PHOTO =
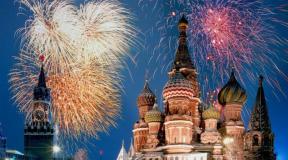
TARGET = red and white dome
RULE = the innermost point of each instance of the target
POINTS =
(178, 86)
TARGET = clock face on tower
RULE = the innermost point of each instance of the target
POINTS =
(39, 115)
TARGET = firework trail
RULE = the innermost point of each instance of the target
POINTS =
(82, 51)
(225, 34)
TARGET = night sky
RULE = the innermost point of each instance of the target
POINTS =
(133, 80)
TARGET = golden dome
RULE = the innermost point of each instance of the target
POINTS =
(211, 113)
(154, 115)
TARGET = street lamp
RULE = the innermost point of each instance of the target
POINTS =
(56, 149)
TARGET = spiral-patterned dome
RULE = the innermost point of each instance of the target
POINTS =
(154, 115)
(146, 97)
(211, 113)
(178, 86)
(232, 92)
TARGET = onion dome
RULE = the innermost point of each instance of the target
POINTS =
(232, 92)
(154, 115)
(178, 86)
(146, 97)
(211, 113)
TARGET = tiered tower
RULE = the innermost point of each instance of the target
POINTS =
(181, 95)
(184, 64)
(145, 102)
(232, 97)
(38, 133)
(259, 139)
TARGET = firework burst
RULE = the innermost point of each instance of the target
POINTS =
(51, 31)
(87, 90)
(104, 22)
(102, 28)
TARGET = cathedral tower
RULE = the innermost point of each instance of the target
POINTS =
(259, 138)
(181, 96)
(232, 97)
(154, 119)
(145, 102)
(211, 136)
(38, 133)
(184, 64)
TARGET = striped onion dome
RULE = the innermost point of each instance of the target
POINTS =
(146, 97)
(178, 86)
(232, 92)
(211, 113)
(154, 115)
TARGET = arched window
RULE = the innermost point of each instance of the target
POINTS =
(255, 141)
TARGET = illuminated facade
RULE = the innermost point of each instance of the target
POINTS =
(186, 131)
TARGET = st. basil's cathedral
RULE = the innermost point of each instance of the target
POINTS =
(186, 131)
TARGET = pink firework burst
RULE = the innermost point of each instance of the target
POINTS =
(224, 29)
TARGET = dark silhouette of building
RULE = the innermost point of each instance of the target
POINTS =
(38, 133)
(259, 140)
